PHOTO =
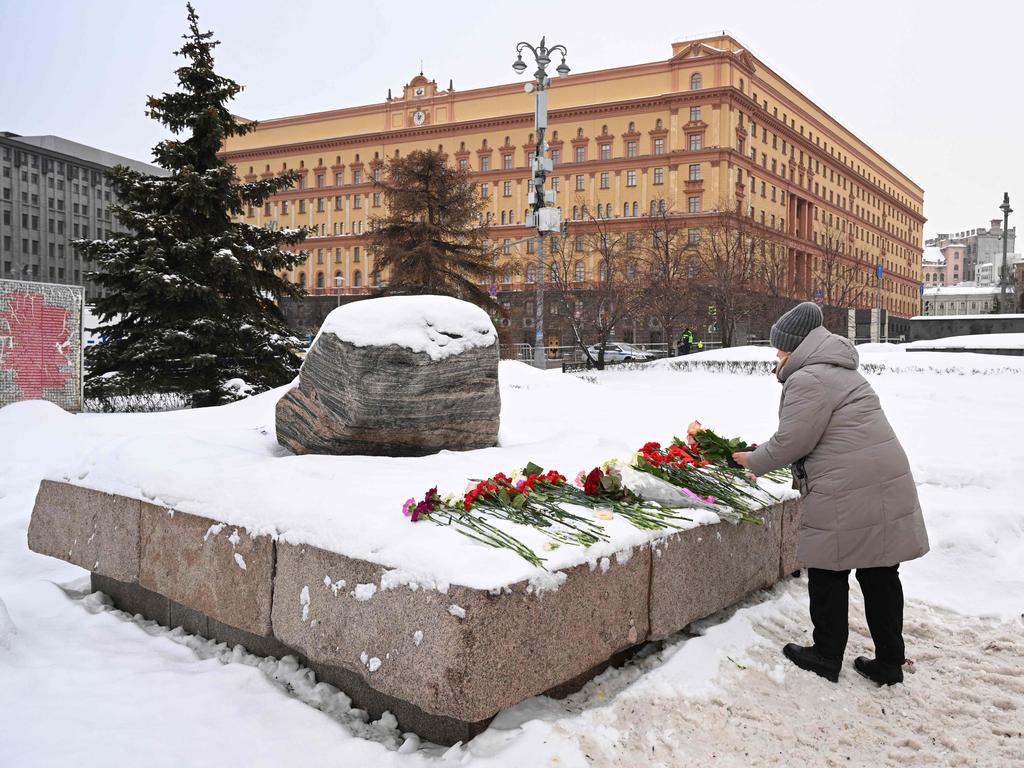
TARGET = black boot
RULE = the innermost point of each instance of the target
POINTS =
(877, 672)
(810, 659)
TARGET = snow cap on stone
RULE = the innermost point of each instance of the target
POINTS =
(440, 326)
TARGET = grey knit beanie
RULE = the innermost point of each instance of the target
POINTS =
(792, 328)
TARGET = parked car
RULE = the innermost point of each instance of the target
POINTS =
(618, 352)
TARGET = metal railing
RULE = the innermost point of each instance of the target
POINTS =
(557, 356)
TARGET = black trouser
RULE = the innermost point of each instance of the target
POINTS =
(883, 607)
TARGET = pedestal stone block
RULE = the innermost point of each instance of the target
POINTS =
(699, 572)
(216, 569)
(466, 653)
(98, 531)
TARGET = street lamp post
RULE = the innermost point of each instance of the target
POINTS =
(1005, 278)
(339, 280)
(541, 166)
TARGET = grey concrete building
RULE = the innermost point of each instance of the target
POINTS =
(983, 246)
(53, 191)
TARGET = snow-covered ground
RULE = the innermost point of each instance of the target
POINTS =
(82, 684)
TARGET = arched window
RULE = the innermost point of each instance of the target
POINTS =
(580, 272)
(636, 208)
(511, 217)
(503, 215)
(695, 81)
(376, 279)
(553, 273)
(319, 279)
(579, 133)
(604, 270)
(631, 270)
(357, 279)
(741, 83)
(339, 281)
(693, 267)
(302, 279)
(531, 273)
(625, 209)
(608, 211)
(654, 207)
(632, 127)
(575, 212)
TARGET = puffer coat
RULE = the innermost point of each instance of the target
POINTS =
(860, 507)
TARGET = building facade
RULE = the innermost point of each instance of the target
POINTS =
(53, 191)
(981, 246)
(943, 265)
(707, 129)
(960, 300)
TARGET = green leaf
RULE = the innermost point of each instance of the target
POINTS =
(533, 469)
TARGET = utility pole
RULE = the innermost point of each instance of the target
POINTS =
(546, 219)
(1005, 278)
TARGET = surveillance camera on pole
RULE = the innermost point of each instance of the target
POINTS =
(545, 217)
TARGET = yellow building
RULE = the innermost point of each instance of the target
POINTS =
(710, 126)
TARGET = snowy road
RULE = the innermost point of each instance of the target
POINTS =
(83, 685)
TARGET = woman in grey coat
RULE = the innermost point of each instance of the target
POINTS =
(860, 508)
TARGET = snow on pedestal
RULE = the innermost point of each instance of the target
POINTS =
(396, 376)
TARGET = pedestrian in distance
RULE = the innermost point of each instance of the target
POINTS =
(686, 342)
(860, 508)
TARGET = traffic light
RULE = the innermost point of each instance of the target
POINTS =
(565, 230)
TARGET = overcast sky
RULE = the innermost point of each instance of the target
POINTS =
(920, 82)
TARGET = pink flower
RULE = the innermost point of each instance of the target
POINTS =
(581, 479)
(692, 495)
(408, 507)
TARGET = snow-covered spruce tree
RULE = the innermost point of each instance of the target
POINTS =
(189, 293)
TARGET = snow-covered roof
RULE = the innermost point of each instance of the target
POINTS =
(961, 290)
(976, 341)
(933, 255)
(967, 317)
(953, 245)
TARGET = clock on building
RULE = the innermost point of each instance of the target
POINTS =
(418, 117)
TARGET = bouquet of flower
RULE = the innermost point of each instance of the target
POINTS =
(716, 449)
(605, 491)
(447, 511)
(677, 465)
(535, 498)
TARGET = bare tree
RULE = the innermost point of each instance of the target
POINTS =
(728, 255)
(667, 249)
(841, 280)
(595, 303)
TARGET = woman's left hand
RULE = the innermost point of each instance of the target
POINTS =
(741, 458)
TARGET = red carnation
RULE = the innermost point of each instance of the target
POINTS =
(593, 482)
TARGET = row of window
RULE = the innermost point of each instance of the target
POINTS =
(320, 281)
(55, 274)
(31, 245)
(49, 165)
